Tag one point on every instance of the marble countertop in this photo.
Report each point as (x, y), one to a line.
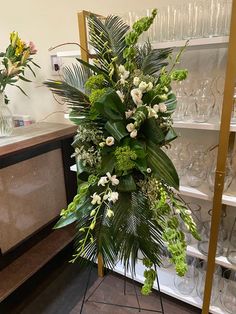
(35, 134)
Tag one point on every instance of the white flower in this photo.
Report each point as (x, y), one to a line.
(96, 199)
(188, 211)
(156, 107)
(103, 181)
(109, 213)
(122, 81)
(136, 95)
(130, 127)
(136, 81)
(105, 196)
(143, 86)
(128, 114)
(110, 141)
(177, 211)
(162, 108)
(163, 97)
(134, 133)
(113, 197)
(152, 113)
(149, 170)
(121, 95)
(121, 69)
(102, 144)
(113, 179)
(123, 73)
(150, 86)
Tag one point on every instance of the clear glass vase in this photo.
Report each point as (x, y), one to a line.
(6, 118)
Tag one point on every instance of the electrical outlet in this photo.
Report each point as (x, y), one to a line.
(55, 64)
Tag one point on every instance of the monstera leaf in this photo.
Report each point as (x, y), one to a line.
(110, 106)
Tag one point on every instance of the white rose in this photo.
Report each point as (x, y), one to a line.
(156, 107)
(130, 127)
(136, 81)
(134, 133)
(162, 108)
(103, 181)
(113, 197)
(110, 141)
(121, 95)
(143, 86)
(96, 199)
(137, 95)
(150, 86)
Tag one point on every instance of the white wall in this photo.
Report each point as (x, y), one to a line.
(49, 23)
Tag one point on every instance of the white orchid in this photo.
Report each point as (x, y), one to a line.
(162, 108)
(109, 213)
(134, 133)
(130, 127)
(96, 199)
(121, 95)
(103, 181)
(113, 197)
(137, 95)
(110, 141)
(113, 179)
(136, 81)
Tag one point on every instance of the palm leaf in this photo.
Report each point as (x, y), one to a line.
(134, 230)
(76, 75)
(151, 60)
(108, 39)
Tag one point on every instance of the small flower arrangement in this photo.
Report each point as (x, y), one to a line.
(123, 106)
(14, 61)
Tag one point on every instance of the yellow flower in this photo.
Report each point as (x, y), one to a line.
(13, 38)
(20, 45)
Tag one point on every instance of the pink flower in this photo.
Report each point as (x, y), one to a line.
(32, 48)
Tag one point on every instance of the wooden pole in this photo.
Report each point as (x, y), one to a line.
(221, 159)
(85, 55)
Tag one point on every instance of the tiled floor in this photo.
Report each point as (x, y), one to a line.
(62, 291)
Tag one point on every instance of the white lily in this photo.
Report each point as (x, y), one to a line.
(121, 95)
(137, 95)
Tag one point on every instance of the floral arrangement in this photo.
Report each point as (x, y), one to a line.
(123, 105)
(14, 60)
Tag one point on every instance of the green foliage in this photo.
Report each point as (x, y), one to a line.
(179, 75)
(95, 82)
(124, 158)
(96, 94)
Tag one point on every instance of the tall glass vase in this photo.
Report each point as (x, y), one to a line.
(6, 118)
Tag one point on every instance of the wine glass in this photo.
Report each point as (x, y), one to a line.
(187, 283)
(228, 297)
(216, 286)
(231, 251)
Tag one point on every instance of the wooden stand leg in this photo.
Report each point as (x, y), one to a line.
(100, 266)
